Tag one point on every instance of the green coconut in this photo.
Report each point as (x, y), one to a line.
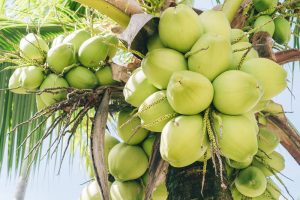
(33, 47)
(236, 195)
(57, 40)
(271, 164)
(39, 103)
(183, 141)
(148, 144)
(282, 34)
(215, 22)
(159, 65)
(272, 192)
(14, 83)
(210, 50)
(238, 35)
(129, 127)
(263, 5)
(239, 165)
(91, 192)
(185, 88)
(53, 81)
(261, 105)
(77, 38)
(271, 75)
(237, 137)
(127, 162)
(31, 77)
(154, 42)
(236, 92)
(81, 78)
(138, 88)
(112, 42)
(267, 141)
(105, 76)
(179, 28)
(61, 56)
(251, 116)
(160, 192)
(129, 190)
(264, 23)
(109, 143)
(93, 51)
(251, 182)
(240, 51)
(156, 111)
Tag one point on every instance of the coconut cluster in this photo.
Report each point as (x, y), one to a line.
(269, 21)
(77, 60)
(197, 64)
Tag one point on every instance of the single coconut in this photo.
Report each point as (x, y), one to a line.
(105, 76)
(251, 116)
(81, 78)
(154, 42)
(159, 65)
(148, 144)
(236, 92)
(14, 83)
(156, 111)
(179, 28)
(237, 137)
(264, 23)
(57, 40)
(270, 74)
(31, 77)
(129, 190)
(127, 162)
(61, 56)
(91, 192)
(183, 141)
(241, 53)
(53, 81)
(93, 51)
(109, 143)
(264, 5)
(189, 92)
(215, 22)
(267, 141)
(272, 192)
(138, 88)
(160, 192)
(77, 38)
(33, 47)
(271, 164)
(210, 56)
(239, 165)
(112, 42)
(238, 35)
(251, 182)
(39, 103)
(129, 127)
(282, 34)
(236, 195)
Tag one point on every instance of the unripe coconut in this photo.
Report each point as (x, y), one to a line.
(282, 34)
(236, 195)
(238, 35)
(39, 103)
(251, 116)
(239, 165)
(264, 23)
(77, 38)
(148, 144)
(210, 56)
(112, 42)
(14, 83)
(105, 76)
(126, 162)
(57, 41)
(160, 192)
(156, 111)
(34, 47)
(91, 192)
(138, 88)
(93, 51)
(179, 28)
(32, 77)
(215, 22)
(154, 42)
(53, 81)
(263, 5)
(185, 88)
(159, 65)
(81, 78)
(240, 51)
(129, 190)
(236, 137)
(183, 141)
(267, 141)
(272, 192)
(236, 92)
(271, 164)
(109, 143)
(261, 105)
(251, 182)
(61, 56)
(129, 127)
(271, 75)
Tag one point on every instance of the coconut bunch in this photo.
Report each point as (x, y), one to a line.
(270, 21)
(77, 61)
(198, 89)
